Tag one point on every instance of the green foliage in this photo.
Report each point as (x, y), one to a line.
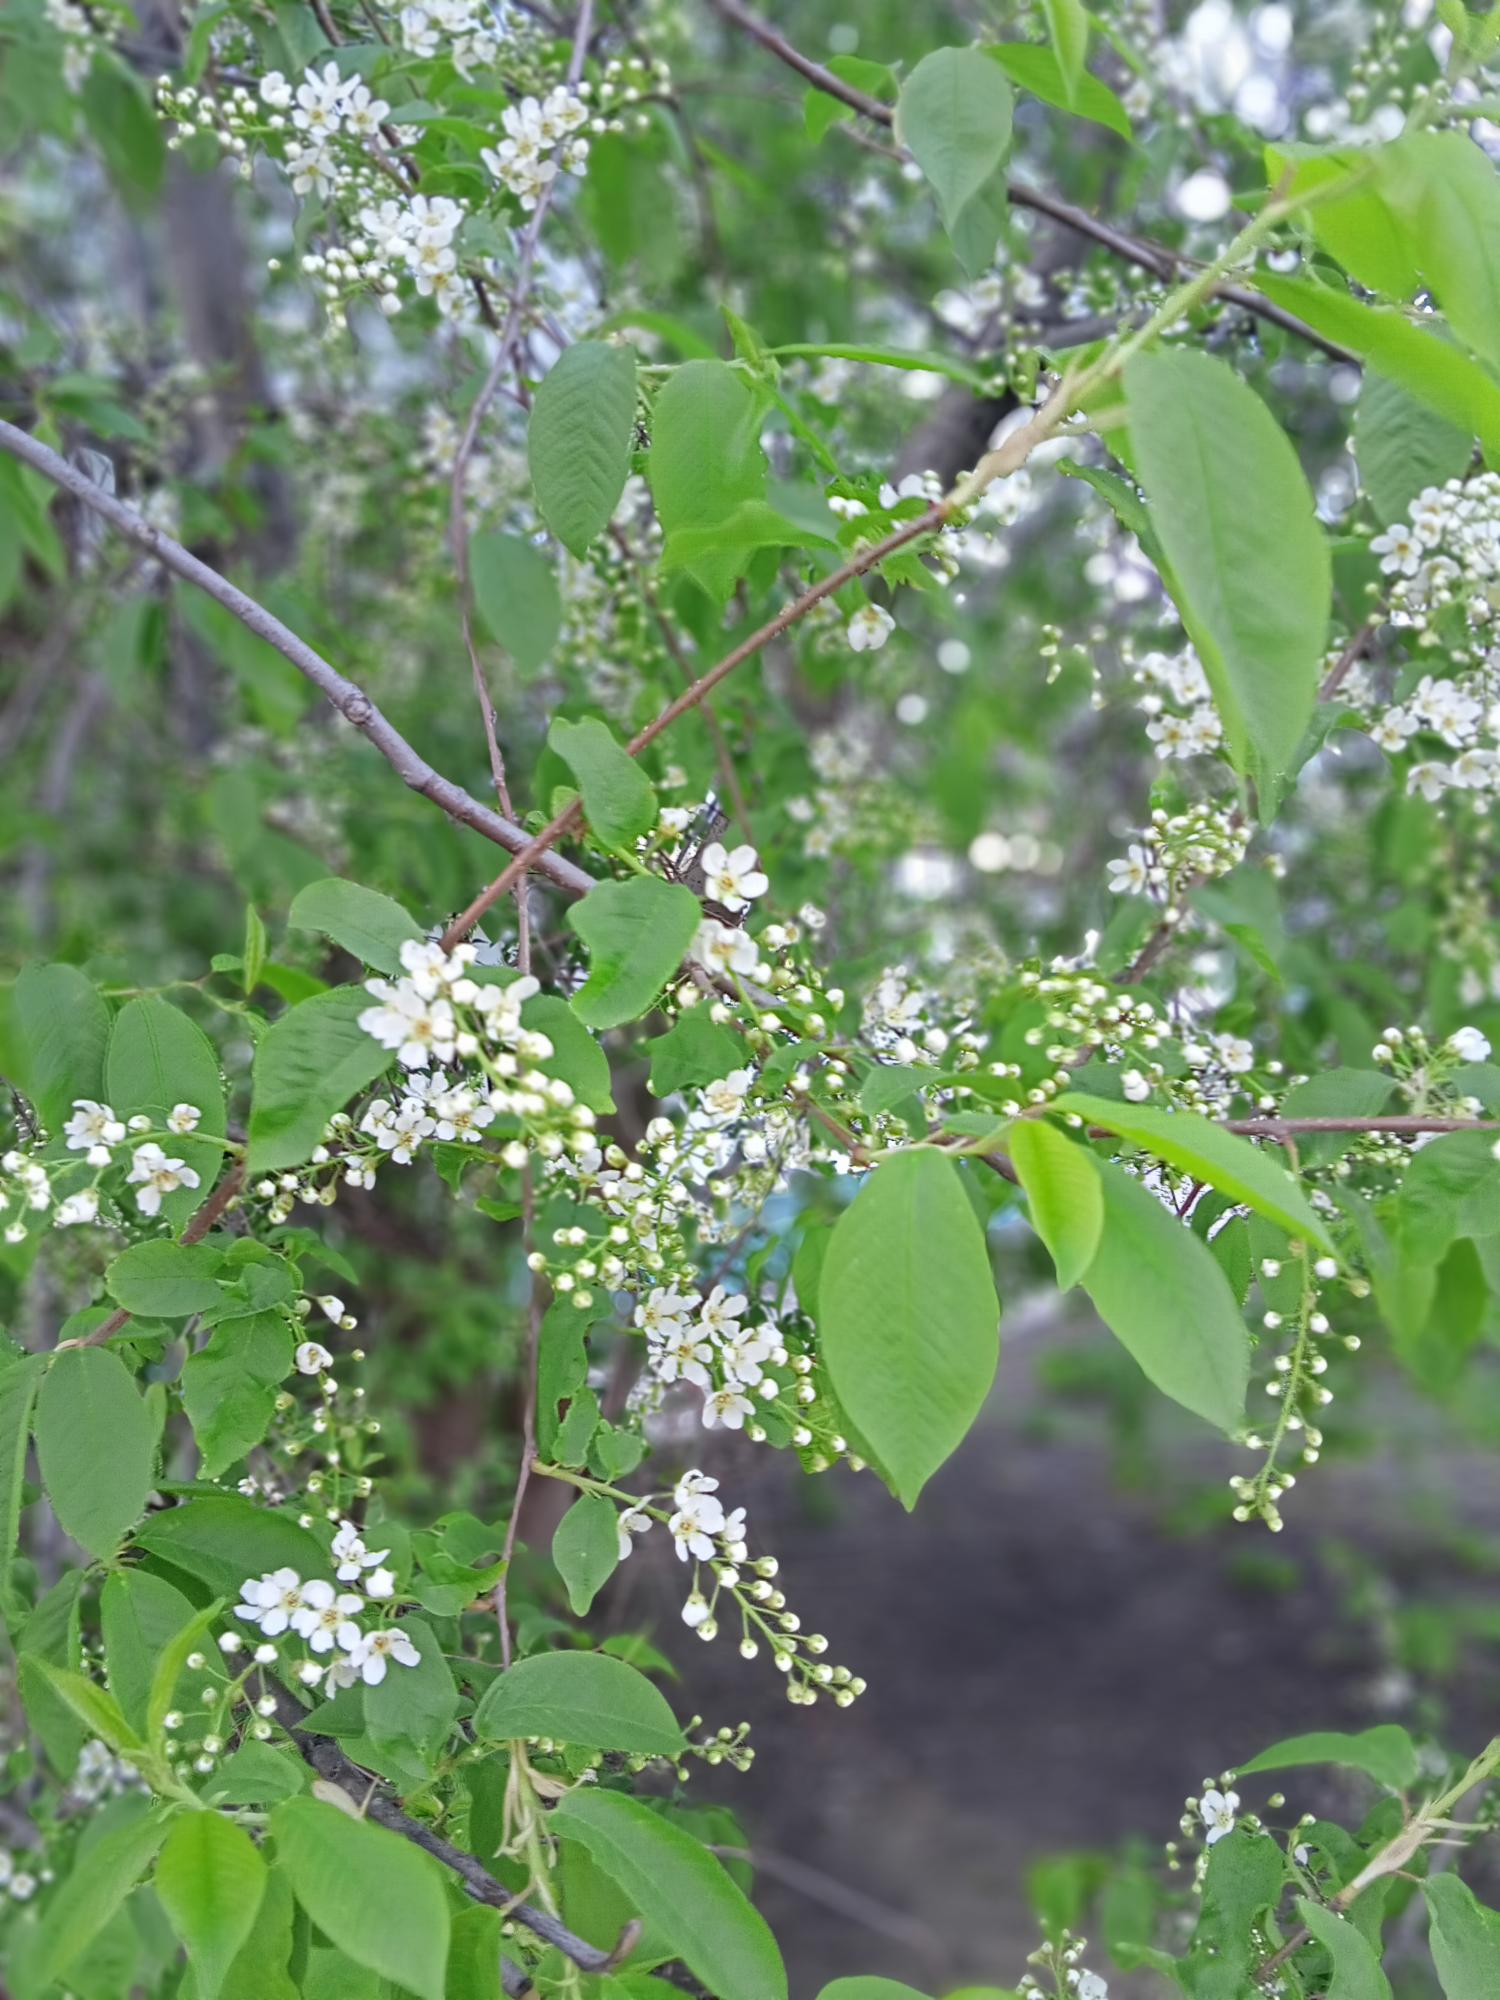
(954, 115)
(578, 440)
(210, 1878)
(1062, 1189)
(636, 934)
(908, 1315)
(1385, 1752)
(308, 1065)
(585, 1549)
(368, 925)
(96, 1446)
(378, 1898)
(705, 464)
(583, 1698)
(165, 1280)
(517, 597)
(618, 798)
(64, 1027)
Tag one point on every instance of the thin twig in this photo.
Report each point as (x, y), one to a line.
(350, 700)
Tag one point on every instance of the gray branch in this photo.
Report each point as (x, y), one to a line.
(350, 700)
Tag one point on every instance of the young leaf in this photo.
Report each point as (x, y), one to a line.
(165, 1280)
(377, 1897)
(579, 1698)
(1209, 1153)
(680, 1891)
(64, 1026)
(140, 1614)
(578, 440)
(637, 934)
(210, 1878)
(368, 925)
(1235, 518)
(254, 951)
(586, 1548)
(517, 597)
(96, 1445)
(1068, 31)
(619, 800)
(1034, 66)
(1386, 1753)
(705, 460)
(1356, 1968)
(19, 1382)
(168, 1671)
(1455, 196)
(1452, 1188)
(221, 1539)
(87, 1897)
(158, 1059)
(909, 1316)
(954, 118)
(1464, 1937)
(1162, 1295)
(307, 1066)
(95, 1707)
(1062, 1188)
(229, 1387)
(695, 1050)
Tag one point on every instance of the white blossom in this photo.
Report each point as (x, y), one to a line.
(153, 1175)
(311, 1358)
(92, 1130)
(1217, 1811)
(869, 628)
(732, 878)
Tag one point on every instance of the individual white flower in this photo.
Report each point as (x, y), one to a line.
(1469, 1045)
(732, 877)
(724, 1099)
(727, 1407)
(1477, 770)
(1430, 779)
(311, 1358)
(663, 1313)
(326, 1616)
(695, 1611)
(1235, 1053)
(1171, 735)
(724, 948)
(699, 1517)
(869, 628)
(275, 91)
(1136, 1086)
(1399, 550)
(416, 1026)
(351, 1555)
(375, 1649)
(629, 1524)
(744, 1350)
(380, 1584)
(1091, 1986)
(1217, 1811)
(80, 1207)
(1132, 875)
(320, 101)
(92, 1130)
(1393, 729)
(363, 113)
(721, 1313)
(682, 1356)
(153, 1175)
(270, 1600)
(183, 1118)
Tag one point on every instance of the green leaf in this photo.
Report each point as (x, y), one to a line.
(229, 1387)
(63, 1026)
(19, 1382)
(954, 118)
(254, 953)
(753, 524)
(1160, 1292)
(909, 1317)
(221, 1539)
(637, 934)
(1385, 1753)
(257, 1775)
(1451, 1188)
(1062, 1189)
(96, 1708)
(158, 1059)
(680, 1891)
(1068, 31)
(307, 1066)
(1036, 68)
(262, 1970)
(584, 1698)
(695, 1050)
(579, 437)
(1401, 446)
(619, 800)
(378, 1898)
(370, 926)
(96, 1445)
(140, 1614)
(866, 1987)
(1464, 1937)
(1250, 564)
(412, 1711)
(586, 1548)
(1209, 1153)
(169, 1669)
(705, 460)
(87, 1897)
(210, 1878)
(1356, 1968)
(165, 1280)
(1456, 227)
(517, 597)
(474, 1956)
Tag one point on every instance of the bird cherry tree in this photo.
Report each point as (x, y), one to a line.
(739, 1090)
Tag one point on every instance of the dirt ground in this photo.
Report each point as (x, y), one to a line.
(1051, 1667)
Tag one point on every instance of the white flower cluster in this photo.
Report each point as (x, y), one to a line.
(326, 1618)
(704, 1342)
(460, 29)
(95, 1131)
(542, 136)
(80, 37)
(1177, 848)
(1183, 720)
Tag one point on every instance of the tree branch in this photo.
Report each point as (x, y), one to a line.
(1157, 258)
(350, 700)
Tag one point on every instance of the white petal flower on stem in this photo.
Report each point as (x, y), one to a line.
(351, 1555)
(1469, 1045)
(311, 1358)
(1132, 875)
(631, 1523)
(699, 1517)
(326, 1617)
(732, 876)
(869, 628)
(380, 1584)
(93, 1129)
(1217, 1811)
(727, 1407)
(724, 948)
(375, 1649)
(77, 1208)
(183, 1118)
(721, 1313)
(153, 1175)
(269, 1601)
